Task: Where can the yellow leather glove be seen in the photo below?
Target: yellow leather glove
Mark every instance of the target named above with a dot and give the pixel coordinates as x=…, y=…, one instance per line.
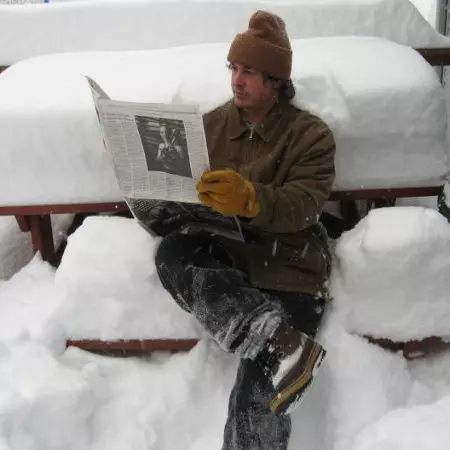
x=229, y=193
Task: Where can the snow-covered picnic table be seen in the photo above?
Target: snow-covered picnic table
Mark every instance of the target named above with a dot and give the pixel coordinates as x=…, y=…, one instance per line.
x=383, y=101
x=372, y=94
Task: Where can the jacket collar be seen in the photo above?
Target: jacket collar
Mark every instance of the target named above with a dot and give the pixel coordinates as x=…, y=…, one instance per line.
x=266, y=131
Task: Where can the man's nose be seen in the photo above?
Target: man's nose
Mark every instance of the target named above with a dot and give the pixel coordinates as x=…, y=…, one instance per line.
x=237, y=79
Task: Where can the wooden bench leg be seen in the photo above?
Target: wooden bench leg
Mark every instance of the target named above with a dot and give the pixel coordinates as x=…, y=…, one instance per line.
x=349, y=212
x=24, y=223
x=42, y=236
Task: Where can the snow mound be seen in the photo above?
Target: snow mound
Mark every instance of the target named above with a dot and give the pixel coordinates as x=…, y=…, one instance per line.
x=42, y=403
x=417, y=428
x=138, y=25
x=27, y=302
x=80, y=400
x=365, y=382
x=160, y=403
x=391, y=277
x=110, y=288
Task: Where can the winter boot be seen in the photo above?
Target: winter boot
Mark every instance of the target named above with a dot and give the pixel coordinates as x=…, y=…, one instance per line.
x=295, y=358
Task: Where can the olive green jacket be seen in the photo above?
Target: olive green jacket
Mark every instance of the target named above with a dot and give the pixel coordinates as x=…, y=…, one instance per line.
x=290, y=160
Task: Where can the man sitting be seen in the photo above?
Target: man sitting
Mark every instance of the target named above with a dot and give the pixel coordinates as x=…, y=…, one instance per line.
x=262, y=299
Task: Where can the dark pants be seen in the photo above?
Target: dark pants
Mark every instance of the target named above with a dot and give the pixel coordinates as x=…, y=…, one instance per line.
x=241, y=318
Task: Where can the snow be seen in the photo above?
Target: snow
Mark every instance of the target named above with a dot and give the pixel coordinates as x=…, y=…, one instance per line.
x=84, y=279
x=380, y=112
x=80, y=401
x=391, y=243
x=138, y=24
x=364, y=397
x=429, y=9
x=27, y=301
x=428, y=421
x=366, y=384
x=15, y=246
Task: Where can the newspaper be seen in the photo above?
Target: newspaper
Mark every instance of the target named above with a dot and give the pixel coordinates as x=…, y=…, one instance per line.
x=158, y=152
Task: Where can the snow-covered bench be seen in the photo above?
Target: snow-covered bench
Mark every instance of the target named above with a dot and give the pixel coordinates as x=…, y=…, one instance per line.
x=390, y=110
x=381, y=288
x=364, y=398
x=390, y=281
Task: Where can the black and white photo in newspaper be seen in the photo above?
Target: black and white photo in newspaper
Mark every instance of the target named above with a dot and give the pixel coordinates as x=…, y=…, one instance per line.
x=165, y=145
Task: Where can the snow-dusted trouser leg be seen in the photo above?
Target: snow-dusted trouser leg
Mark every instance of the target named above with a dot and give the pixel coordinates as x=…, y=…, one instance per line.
x=251, y=425
x=241, y=319
x=238, y=316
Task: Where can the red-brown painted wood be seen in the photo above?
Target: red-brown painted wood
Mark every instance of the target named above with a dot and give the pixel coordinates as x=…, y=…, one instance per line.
x=69, y=208
x=361, y=194
x=135, y=344
x=42, y=236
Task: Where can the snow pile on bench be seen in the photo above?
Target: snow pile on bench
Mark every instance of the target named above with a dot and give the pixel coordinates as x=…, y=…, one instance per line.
x=383, y=101
x=110, y=289
x=27, y=303
x=364, y=397
x=138, y=25
x=391, y=278
x=37, y=390
x=422, y=427
x=371, y=398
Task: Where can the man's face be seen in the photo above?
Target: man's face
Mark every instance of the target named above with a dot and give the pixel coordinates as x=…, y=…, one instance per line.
x=250, y=90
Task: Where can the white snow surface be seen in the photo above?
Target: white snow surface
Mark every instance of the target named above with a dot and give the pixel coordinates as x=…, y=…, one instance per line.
x=405, y=294
x=364, y=397
x=15, y=246
x=428, y=421
x=143, y=24
x=389, y=119
x=123, y=252
x=429, y=9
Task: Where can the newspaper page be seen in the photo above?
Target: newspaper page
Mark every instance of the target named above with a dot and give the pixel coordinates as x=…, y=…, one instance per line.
x=158, y=152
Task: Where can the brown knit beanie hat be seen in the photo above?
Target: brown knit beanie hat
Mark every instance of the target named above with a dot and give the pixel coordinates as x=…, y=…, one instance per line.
x=264, y=46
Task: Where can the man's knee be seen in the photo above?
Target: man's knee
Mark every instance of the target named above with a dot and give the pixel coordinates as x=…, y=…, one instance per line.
x=176, y=250
x=171, y=249
x=166, y=252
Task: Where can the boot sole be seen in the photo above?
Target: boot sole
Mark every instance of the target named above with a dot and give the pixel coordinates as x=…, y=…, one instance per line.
x=290, y=397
